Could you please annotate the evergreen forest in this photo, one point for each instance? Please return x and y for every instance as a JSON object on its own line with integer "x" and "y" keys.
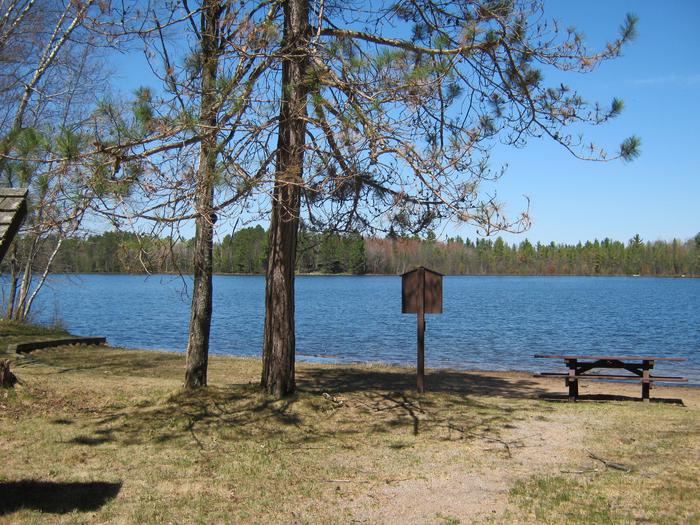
{"x": 245, "y": 252}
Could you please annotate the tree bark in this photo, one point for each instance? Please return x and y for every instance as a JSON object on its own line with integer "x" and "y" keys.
{"x": 26, "y": 282}
{"x": 13, "y": 283}
{"x": 279, "y": 336}
{"x": 200, "y": 315}
{"x": 42, "y": 280}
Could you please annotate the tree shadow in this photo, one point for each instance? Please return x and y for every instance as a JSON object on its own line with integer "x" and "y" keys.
{"x": 451, "y": 396}
{"x": 239, "y": 409}
{"x": 127, "y": 363}
{"x": 91, "y": 440}
{"x": 55, "y": 497}
{"x": 362, "y": 379}
{"x": 331, "y": 403}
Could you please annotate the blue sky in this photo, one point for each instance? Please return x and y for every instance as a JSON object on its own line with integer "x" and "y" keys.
{"x": 658, "y": 78}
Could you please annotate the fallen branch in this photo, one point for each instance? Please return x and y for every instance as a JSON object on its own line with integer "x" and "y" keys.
{"x": 345, "y": 480}
{"x": 506, "y": 444}
{"x": 610, "y": 464}
{"x": 584, "y": 471}
{"x": 389, "y": 480}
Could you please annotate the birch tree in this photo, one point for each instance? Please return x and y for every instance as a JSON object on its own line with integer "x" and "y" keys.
{"x": 49, "y": 72}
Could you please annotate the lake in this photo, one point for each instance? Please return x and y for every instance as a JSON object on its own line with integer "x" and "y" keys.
{"x": 493, "y": 323}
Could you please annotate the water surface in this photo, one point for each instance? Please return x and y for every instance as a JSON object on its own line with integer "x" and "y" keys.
{"x": 494, "y": 323}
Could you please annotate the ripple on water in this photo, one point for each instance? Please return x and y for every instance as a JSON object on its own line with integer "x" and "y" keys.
{"x": 488, "y": 322}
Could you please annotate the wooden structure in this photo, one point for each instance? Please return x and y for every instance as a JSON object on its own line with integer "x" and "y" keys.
{"x": 13, "y": 210}
{"x": 421, "y": 293}
{"x": 24, "y": 348}
{"x": 579, "y": 367}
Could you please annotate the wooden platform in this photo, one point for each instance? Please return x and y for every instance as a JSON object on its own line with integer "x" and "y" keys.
{"x": 13, "y": 209}
{"x": 23, "y": 348}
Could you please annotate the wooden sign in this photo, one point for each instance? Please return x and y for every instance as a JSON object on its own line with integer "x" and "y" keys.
{"x": 421, "y": 293}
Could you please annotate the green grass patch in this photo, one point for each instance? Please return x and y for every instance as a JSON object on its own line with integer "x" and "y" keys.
{"x": 15, "y": 332}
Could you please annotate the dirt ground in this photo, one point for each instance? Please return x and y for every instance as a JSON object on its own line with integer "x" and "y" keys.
{"x": 479, "y": 493}
{"x": 530, "y": 446}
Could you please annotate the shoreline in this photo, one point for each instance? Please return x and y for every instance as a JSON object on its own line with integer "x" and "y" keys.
{"x": 396, "y": 367}
{"x": 318, "y": 274}
{"x": 404, "y": 366}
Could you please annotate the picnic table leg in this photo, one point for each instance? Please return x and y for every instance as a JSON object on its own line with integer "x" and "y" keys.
{"x": 573, "y": 389}
{"x": 571, "y": 381}
{"x": 646, "y": 382}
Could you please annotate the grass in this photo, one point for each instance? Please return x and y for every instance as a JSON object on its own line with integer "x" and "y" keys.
{"x": 114, "y": 426}
{"x": 15, "y": 332}
{"x": 659, "y": 445}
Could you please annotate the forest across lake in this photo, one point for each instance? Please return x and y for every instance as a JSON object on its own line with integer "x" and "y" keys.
{"x": 494, "y": 323}
{"x": 245, "y": 251}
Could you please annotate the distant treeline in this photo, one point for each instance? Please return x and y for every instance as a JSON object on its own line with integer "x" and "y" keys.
{"x": 330, "y": 253}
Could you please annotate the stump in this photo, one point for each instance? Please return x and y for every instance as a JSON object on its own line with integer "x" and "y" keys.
{"x": 7, "y": 378}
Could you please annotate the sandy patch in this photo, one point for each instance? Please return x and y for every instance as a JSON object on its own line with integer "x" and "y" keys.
{"x": 474, "y": 491}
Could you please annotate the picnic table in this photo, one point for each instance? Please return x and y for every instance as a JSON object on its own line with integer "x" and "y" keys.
{"x": 580, "y": 366}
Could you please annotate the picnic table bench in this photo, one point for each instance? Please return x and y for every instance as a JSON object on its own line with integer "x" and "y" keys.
{"x": 579, "y": 367}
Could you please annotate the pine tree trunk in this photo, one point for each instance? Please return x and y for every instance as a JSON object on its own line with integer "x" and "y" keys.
{"x": 201, "y": 311}
{"x": 279, "y": 337}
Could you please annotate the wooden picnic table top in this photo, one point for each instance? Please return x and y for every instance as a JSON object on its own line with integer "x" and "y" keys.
{"x": 612, "y": 357}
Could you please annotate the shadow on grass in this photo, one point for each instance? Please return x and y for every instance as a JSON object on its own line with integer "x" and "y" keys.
{"x": 239, "y": 409}
{"x": 609, "y": 397}
{"x": 91, "y": 440}
{"x": 349, "y": 379}
{"x": 55, "y": 497}
{"x": 330, "y": 403}
{"x": 130, "y": 363}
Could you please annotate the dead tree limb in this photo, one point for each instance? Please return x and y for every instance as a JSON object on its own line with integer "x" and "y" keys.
{"x": 610, "y": 464}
